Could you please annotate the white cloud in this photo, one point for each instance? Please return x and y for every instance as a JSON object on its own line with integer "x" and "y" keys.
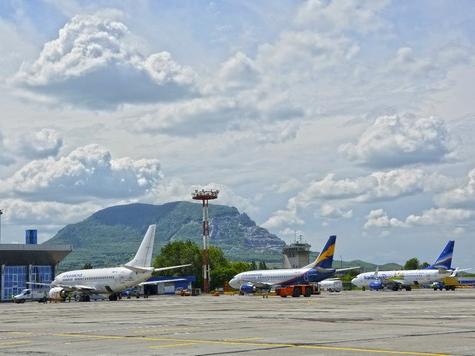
{"x": 338, "y": 16}
{"x": 378, "y": 186}
{"x": 287, "y": 186}
{"x": 334, "y": 212}
{"x": 238, "y": 72}
{"x": 383, "y": 185}
{"x": 437, "y": 216}
{"x": 398, "y": 140}
{"x": 191, "y": 117}
{"x": 379, "y": 218}
{"x": 282, "y": 218}
{"x": 86, "y": 172}
{"x": 431, "y": 217}
{"x": 5, "y": 156}
{"x": 92, "y": 64}
{"x": 38, "y": 144}
{"x": 462, "y": 196}
{"x": 20, "y": 212}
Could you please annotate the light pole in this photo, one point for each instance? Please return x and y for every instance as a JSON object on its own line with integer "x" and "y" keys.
{"x": 204, "y": 196}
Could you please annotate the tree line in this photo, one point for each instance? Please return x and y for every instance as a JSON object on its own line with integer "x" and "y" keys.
{"x": 184, "y": 252}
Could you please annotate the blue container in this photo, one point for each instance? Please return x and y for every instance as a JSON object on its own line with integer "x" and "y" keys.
{"x": 31, "y": 237}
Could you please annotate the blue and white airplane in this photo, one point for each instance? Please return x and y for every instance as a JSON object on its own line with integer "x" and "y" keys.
{"x": 404, "y": 279}
{"x": 320, "y": 269}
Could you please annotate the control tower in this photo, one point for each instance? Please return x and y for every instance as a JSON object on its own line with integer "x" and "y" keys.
{"x": 298, "y": 253}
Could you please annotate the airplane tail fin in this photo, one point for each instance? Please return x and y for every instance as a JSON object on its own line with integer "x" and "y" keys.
{"x": 143, "y": 257}
{"x": 325, "y": 258}
{"x": 445, "y": 259}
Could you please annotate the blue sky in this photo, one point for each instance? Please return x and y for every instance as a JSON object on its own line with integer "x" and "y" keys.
{"x": 353, "y": 118}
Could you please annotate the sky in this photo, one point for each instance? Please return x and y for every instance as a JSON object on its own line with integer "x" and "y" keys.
{"x": 350, "y": 117}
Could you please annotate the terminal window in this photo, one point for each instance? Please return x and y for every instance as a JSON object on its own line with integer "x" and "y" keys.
{"x": 14, "y": 281}
{"x": 41, "y": 274}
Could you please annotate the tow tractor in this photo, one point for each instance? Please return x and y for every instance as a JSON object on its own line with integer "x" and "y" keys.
{"x": 296, "y": 290}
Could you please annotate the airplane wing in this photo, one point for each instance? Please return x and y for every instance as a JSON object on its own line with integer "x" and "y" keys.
{"x": 77, "y": 288}
{"x": 170, "y": 267}
{"x": 457, "y": 270}
{"x": 154, "y": 283}
{"x": 397, "y": 281}
{"x": 339, "y": 270}
{"x": 39, "y": 284}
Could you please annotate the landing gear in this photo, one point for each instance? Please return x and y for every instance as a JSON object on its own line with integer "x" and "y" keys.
{"x": 408, "y": 288}
{"x": 113, "y": 297}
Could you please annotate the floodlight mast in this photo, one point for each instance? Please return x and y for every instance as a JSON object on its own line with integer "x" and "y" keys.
{"x": 205, "y": 196}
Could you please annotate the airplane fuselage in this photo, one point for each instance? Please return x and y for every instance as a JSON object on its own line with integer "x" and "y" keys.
{"x": 280, "y": 277}
{"x": 103, "y": 280}
{"x": 409, "y": 277}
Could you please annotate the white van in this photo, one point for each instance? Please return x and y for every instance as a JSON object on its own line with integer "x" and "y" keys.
{"x": 31, "y": 295}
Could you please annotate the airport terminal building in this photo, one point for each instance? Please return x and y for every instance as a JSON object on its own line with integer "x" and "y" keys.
{"x": 28, "y": 263}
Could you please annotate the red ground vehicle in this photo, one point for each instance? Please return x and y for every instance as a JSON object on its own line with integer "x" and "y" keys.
{"x": 295, "y": 291}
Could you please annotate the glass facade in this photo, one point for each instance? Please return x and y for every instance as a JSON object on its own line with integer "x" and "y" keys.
{"x": 14, "y": 278}
{"x": 41, "y": 274}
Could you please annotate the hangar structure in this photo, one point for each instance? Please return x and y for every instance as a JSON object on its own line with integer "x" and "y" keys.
{"x": 28, "y": 263}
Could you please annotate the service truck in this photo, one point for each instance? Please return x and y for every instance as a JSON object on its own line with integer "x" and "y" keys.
{"x": 331, "y": 285}
{"x": 28, "y": 294}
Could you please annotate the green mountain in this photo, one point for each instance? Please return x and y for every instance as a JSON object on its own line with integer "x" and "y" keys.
{"x": 111, "y": 236}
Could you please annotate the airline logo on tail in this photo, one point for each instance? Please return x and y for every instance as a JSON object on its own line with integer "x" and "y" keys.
{"x": 445, "y": 259}
{"x": 325, "y": 259}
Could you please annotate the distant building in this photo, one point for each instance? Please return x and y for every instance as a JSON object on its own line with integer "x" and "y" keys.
{"x": 28, "y": 263}
{"x": 298, "y": 253}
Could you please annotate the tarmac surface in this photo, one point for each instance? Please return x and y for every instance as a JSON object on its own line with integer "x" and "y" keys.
{"x": 421, "y": 322}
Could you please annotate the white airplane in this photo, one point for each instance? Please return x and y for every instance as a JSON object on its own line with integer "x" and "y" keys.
{"x": 320, "y": 269}
{"x": 112, "y": 280}
{"x": 404, "y": 279}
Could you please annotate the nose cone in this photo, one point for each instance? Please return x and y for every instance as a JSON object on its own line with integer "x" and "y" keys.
{"x": 356, "y": 282}
{"x": 234, "y": 283}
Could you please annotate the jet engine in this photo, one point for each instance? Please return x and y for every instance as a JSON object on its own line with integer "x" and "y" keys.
{"x": 57, "y": 293}
{"x": 376, "y": 284}
{"x": 247, "y": 288}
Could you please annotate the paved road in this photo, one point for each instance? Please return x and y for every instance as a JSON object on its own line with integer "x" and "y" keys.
{"x": 421, "y": 322}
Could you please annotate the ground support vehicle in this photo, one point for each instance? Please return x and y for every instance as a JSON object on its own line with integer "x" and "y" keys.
{"x": 295, "y": 290}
